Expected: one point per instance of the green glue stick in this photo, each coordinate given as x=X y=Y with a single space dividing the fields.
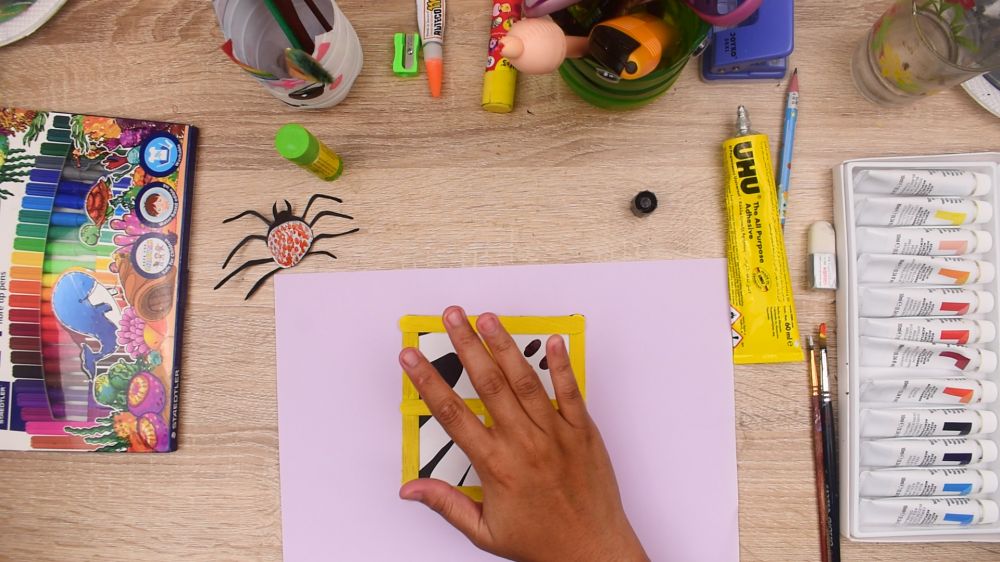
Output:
x=297 y=144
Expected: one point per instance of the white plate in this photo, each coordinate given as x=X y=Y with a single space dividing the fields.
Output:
x=986 y=91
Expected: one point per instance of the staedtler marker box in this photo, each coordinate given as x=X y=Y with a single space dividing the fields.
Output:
x=906 y=348
x=93 y=238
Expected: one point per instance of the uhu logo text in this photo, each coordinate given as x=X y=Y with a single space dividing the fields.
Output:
x=743 y=152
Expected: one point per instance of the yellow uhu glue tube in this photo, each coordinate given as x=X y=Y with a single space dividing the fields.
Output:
x=760 y=288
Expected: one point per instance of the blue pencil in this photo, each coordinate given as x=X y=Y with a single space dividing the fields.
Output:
x=787 y=143
x=60 y=218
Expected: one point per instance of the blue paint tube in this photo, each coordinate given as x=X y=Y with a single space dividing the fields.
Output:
x=929 y=512
x=927 y=482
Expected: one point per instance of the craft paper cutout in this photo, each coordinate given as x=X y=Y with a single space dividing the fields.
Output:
x=428 y=451
x=289 y=239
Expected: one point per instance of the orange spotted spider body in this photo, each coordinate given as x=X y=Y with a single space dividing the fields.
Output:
x=289 y=239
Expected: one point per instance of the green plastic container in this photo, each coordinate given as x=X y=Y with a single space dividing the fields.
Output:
x=581 y=74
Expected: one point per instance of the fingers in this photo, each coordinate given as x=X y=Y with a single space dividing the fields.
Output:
x=454 y=506
x=448 y=408
x=521 y=377
x=571 y=404
x=485 y=374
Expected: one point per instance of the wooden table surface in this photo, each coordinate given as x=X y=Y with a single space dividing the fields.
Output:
x=435 y=183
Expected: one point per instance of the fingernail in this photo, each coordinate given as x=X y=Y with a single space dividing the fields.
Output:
x=410 y=495
x=488 y=324
x=558 y=344
x=454 y=317
x=410 y=358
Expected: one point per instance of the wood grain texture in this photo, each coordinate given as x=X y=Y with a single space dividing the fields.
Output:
x=434 y=183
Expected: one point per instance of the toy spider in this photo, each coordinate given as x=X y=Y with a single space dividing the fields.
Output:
x=289 y=239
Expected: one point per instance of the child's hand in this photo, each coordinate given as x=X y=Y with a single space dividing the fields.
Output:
x=549 y=491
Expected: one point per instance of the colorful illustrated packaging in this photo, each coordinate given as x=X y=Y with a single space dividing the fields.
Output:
x=93 y=229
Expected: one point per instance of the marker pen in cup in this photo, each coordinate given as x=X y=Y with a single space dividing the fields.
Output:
x=943 y=422
x=916 y=482
x=956 y=451
x=963 y=183
x=929 y=392
x=958 y=331
x=880 y=352
x=929 y=512
x=923 y=270
x=913 y=241
x=906 y=302
x=921 y=211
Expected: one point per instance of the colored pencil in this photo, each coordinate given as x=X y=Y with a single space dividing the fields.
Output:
x=787 y=144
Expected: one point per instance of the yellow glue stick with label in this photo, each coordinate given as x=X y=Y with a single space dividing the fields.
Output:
x=760 y=287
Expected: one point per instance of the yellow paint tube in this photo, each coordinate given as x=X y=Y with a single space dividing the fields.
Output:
x=760 y=288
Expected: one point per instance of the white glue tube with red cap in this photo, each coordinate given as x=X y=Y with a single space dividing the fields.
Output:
x=908 y=302
x=956 y=451
x=929 y=392
x=941 y=422
x=923 y=270
x=880 y=352
x=923 y=241
x=957 y=331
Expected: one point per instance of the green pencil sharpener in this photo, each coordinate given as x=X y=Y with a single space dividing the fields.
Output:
x=405 y=60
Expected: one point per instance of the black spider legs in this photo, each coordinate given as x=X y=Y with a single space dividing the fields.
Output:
x=240 y=245
x=248 y=213
x=250 y=263
x=269 y=274
x=322 y=214
x=319 y=237
x=313 y=200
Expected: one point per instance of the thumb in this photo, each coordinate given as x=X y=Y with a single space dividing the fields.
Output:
x=455 y=507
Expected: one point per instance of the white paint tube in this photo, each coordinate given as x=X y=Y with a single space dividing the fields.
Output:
x=917 y=482
x=929 y=512
x=942 y=422
x=923 y=241
x=898 y=453
x=923 y=270
x=965 y=183
x=921 y=211
x=959 y=331
x=878 y=352
x=903 y=302
x=929 y=392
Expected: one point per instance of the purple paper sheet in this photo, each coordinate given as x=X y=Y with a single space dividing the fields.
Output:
x=659 y=386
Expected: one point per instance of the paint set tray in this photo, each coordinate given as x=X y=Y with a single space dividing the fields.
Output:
x=851 y=374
